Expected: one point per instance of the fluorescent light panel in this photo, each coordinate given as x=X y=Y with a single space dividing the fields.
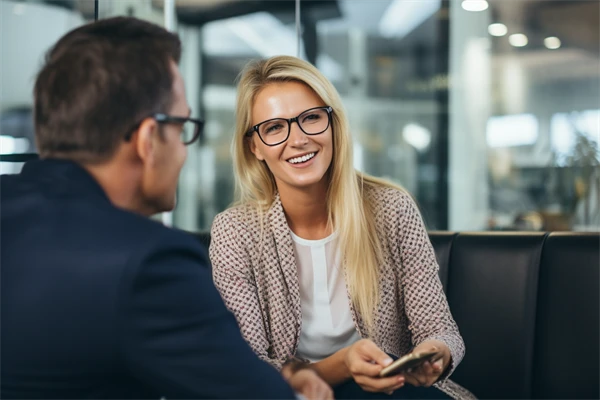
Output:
x=403 y=16
x=511 y=130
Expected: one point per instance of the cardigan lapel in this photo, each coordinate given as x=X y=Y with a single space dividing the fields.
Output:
x=284 y=248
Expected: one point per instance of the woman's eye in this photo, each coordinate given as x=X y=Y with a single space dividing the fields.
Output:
x=273 y=128
x=311 y=117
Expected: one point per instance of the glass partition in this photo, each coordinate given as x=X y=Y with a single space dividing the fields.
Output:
x=525 y=85
x=486 y=111
x=28 y=29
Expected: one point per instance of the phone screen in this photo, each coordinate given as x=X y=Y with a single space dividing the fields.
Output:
x=410 y=360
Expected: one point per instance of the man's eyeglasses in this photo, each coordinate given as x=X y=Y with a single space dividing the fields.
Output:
x=191 y=128
x=277 y=130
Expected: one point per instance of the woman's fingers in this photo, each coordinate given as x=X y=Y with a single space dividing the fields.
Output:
x=360 y=367
x=426 y=368
x=365 y=358
x=411 y=379
x=369 y=352
x=310 y=385
x=417 y=377
x=380 y=384
x=426 y=374
x=438 y=366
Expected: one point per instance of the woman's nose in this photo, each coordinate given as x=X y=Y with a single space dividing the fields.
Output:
x=297 y=136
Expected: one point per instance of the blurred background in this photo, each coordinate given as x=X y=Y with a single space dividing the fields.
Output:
x=488 y=112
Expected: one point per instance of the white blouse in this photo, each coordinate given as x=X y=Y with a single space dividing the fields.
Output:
x=327 y=324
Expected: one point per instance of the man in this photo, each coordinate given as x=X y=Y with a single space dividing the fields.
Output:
x=97 y=300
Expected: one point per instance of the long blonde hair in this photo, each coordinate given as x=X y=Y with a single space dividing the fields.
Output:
x=350 y=213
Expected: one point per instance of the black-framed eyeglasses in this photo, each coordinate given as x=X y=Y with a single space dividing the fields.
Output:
x=275 y=131
x=191 y=127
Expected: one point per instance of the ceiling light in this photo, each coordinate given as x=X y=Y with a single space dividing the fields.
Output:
x=474 y=5
x=401 y=17
x=497 y=29
x=552 y=42
x=417 y=136
x=518 y=40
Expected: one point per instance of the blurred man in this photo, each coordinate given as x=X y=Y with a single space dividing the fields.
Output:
x=97 y=300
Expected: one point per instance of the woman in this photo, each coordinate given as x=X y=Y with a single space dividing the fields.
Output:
x=318 y=261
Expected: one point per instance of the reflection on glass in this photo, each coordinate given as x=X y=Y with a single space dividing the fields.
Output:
x=567 y=131
x=28 y=29
x=512 y=130
x=539 y=117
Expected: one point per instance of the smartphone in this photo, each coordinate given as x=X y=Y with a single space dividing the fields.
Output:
x=410 y=360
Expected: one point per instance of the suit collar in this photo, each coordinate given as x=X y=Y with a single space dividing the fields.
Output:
x=64 y=177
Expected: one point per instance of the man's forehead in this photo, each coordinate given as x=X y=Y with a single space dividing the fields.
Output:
x=178 y=85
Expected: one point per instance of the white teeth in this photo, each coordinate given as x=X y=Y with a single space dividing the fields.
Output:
x=304 y=158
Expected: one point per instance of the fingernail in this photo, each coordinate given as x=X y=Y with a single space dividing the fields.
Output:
x=387 y=361
x=400 y=379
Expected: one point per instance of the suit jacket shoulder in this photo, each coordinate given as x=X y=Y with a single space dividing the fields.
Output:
x=126 y=306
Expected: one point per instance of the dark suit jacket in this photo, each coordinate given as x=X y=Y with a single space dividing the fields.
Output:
x=98 y=302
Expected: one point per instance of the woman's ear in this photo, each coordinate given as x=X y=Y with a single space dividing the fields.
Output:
x=255 y=149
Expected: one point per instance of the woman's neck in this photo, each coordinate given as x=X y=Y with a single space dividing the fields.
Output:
x=306 y=212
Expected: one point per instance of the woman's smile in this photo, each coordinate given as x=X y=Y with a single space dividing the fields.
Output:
x=302 y=160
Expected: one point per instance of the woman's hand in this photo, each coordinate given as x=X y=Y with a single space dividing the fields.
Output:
x=365 y=360
x=308 y=383
x=428 y=373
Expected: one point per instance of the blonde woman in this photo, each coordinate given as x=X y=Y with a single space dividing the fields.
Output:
x=319 y=262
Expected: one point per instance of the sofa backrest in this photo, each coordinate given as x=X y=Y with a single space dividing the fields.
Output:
x=492 y=289
x=527 y=306
x=442 y=245
x=567 y=337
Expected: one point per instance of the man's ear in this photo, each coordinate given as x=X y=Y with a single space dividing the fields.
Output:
x=255 y=150
x=146 y=140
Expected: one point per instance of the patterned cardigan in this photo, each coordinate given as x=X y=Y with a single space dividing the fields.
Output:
x=256 y=275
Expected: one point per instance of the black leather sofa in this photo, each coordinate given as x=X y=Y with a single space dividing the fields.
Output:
x=527 y=305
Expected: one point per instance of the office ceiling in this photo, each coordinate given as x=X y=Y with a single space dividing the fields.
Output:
x=575 y=22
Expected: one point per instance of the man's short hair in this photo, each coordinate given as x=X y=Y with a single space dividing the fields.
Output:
x=98 y=82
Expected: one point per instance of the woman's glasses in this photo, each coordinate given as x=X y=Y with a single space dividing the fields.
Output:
x=277 y=130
